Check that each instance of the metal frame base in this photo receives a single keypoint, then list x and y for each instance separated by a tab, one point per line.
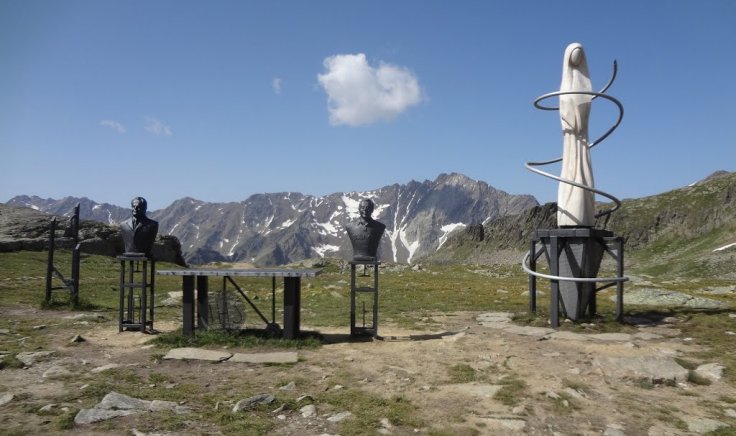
365	330
558	240
137	282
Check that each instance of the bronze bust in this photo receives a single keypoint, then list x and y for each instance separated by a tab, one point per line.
365	234
139	231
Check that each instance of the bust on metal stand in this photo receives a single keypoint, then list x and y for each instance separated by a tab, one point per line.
137	280
575	249
365	236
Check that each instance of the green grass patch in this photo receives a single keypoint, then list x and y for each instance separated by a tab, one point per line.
368	409
462	373
697	379
237	339
512	391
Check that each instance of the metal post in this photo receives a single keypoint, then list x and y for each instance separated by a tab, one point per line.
375	299
144	295
273	299
131	292
202	302
152	286
554	266
122	295
620	284
188	305
292	306
533	278
352	299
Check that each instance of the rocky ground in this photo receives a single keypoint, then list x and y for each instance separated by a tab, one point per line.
479	373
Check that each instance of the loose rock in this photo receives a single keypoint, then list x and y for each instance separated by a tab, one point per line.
6	398
56	371
308	411
340	417
30	358
253	401
710	371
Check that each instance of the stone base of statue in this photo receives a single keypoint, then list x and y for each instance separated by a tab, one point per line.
574	257
364	298
137	289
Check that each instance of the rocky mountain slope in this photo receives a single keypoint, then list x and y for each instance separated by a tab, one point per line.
277	228
691	230
88	209
24	228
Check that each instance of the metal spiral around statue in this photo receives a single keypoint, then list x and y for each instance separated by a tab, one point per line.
531	167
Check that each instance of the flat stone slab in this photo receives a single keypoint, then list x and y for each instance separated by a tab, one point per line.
514	424
656	369
114	405
529	330
569	336
276	357
703	425
30	357
664	297
612	337
197	354
478	390
495	317
107	367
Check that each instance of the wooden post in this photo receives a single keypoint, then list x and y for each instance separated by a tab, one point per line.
75	277
50	262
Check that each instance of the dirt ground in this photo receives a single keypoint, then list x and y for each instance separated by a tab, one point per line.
563	389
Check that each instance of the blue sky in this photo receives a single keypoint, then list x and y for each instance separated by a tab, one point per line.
220	100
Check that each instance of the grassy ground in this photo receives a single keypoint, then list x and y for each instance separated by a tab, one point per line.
409	299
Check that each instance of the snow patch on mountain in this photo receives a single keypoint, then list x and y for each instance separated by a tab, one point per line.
446	230
286	224
324	248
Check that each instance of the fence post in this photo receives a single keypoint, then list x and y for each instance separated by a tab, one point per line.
50	263
75	277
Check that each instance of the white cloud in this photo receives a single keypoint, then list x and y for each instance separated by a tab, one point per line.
157	127
113	125
276	83
359	94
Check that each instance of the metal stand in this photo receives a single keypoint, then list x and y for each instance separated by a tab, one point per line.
364	330
136	297
574	256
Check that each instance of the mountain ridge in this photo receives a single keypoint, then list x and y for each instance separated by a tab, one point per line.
277	228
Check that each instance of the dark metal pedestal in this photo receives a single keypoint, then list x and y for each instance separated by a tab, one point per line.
355	289
137	284
574	256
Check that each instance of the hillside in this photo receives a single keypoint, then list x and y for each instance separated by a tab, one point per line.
677	232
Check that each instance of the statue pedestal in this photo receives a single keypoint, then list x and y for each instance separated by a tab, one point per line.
574	256
136	292
365	294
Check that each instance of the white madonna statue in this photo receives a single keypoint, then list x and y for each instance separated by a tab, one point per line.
575	205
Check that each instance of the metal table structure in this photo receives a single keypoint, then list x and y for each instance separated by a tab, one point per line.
292	294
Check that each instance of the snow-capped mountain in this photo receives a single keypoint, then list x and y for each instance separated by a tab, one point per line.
278	228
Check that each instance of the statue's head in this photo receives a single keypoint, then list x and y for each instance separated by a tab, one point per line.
365	208
139	207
